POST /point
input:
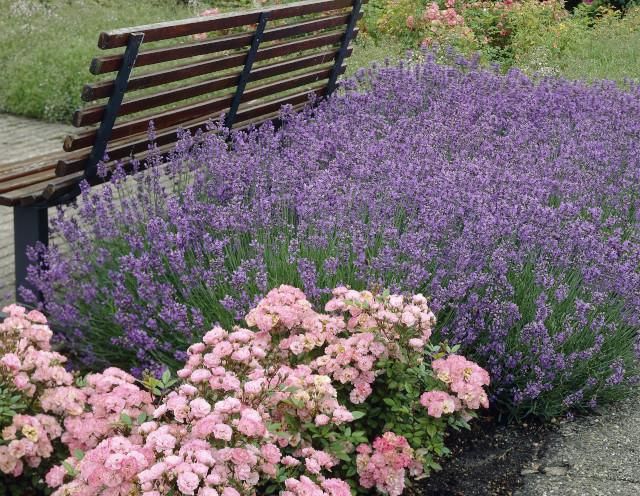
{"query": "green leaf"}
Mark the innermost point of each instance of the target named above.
(342, 456)
(70, 470)
(78, 454)
(125, 419)
(357, 415)
(432, 430)
(274, 426)
(141, 418)
(166, 376)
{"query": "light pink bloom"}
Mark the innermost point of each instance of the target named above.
(188, 482)
(199, 407)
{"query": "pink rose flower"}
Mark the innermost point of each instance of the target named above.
(437, 403)
(11, 361)
(55, 476)
(322, 419)
(223, 432)
(199, 407)
(188, 482)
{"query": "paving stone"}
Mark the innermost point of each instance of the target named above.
(21, 138)
(579, 486)
(592, 456)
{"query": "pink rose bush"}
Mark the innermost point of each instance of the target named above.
(29, 369)
(426, 23)
(64, 414)
(487, 26)
(442, 24)
(280, 405)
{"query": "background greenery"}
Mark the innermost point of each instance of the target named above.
(592, 41)
(46, 48)
(46, 45)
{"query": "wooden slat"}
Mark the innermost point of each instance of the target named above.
(93, 114)
(111, 63)
(103, 89)
(134, 145)
(87, 138)
(61, 185)
(273, 106)
(161, 121)
(131, 146)
(24, 196)
(24, 181)
(206, 110)
(257, 121)
(186, 27)
(58, 186)
(28, 166)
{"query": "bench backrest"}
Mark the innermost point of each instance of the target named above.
(180, 74)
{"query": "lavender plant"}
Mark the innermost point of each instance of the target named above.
(512, 202)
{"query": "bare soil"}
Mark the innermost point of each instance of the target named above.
(489, 460)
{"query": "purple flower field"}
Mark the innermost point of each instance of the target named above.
(512, 204)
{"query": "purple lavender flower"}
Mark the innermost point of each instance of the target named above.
(512, 203)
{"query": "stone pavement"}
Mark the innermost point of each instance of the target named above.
(20, 138)
(598, 455)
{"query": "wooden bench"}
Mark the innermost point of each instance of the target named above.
(250, 64)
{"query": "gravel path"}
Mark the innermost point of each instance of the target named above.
(20, 138)
(598, 455)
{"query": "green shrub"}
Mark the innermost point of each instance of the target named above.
(610, 50)
(538, 36)
(541, 41)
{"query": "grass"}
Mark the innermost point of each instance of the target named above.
(579, 48)
(612, 52)
(366, 51)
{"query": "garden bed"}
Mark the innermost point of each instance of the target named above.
(510, 202)
(489, 459)
(474, 243)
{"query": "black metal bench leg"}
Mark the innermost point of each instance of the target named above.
(30, 225)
